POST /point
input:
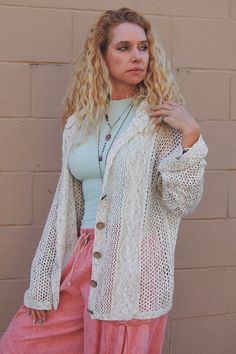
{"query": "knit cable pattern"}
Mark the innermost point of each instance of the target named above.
(149, 186)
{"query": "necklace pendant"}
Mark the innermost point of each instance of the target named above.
(108, 137)
(100, 158)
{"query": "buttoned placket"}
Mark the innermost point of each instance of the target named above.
(136, 126)
(99, 235)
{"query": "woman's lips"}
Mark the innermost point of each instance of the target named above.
(136, 69)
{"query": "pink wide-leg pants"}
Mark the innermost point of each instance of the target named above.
(70, 329)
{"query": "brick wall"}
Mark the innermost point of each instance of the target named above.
(39, 41)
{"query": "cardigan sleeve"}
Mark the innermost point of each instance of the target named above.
(40, 294)
(181, 176)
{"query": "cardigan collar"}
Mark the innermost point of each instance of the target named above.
(138, 123)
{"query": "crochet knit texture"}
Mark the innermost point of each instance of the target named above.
(149, 185)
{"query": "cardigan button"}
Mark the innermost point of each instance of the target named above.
(97, 255)
(100, 225)
(93, 283)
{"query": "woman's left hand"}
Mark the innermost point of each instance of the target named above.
(177, 117)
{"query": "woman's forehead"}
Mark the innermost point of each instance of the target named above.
(127, 32)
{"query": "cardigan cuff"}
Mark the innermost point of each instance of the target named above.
(177, 160)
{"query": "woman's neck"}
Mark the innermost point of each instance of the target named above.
(120, 92)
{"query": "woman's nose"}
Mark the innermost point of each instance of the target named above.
(135, 55)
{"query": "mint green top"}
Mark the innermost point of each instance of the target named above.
(83, 159)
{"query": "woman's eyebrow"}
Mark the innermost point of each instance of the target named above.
(127, 42)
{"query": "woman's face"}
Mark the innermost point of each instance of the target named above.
(127, 56)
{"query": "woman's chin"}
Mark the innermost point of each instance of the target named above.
(135, 81)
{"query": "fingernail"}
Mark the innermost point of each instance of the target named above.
(34, 321)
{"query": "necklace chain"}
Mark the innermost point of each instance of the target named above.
(108, 135)
(100, 156)
(106, 116)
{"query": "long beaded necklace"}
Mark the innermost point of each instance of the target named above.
(108, 136)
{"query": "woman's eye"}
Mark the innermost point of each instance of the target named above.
(123, 48)
(144, 47)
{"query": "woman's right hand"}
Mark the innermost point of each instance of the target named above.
(37, 315)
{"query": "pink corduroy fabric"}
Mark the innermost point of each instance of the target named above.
(70, 330)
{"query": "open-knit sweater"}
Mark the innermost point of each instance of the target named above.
(148, 186)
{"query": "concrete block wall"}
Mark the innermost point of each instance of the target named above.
(39, 43)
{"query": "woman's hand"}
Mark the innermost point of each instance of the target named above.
(37, 315)
(177, 117)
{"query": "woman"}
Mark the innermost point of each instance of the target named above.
(132, 166)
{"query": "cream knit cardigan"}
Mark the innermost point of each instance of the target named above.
(148, 186)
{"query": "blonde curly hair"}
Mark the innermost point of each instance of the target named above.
(90, 89)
